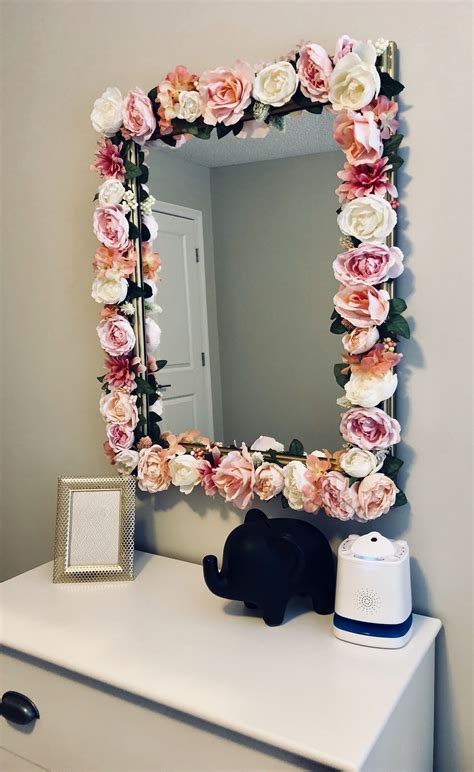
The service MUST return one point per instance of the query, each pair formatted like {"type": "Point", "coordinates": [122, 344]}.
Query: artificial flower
{"type": "Point", "coordinates": [110, 192]}
{"type": "Point", "coordinates": [153, 334]}
{"type": "Point", "coordinates": [344, 46]}
{"type": "Point", "coordinates": [178, 81]}
{"type": "Point", "coordinates": [235, 477]}
{"type": "Point", "coordinates": [275, 84]}
{"type": "Point", "coordinates": [369, 219]}
{"type": "Point", "coordinates": [120, 437]}
{"type": "Point", "coordinates": [378, 361]}
{"type": "Point", "coordinates": [357, 462]}
{"type": "Point", "coordinates": [369, 428]}
{"type": "Point", "coordinates": [368, 264]}
{"type": "Point", "coordinates": [316, 468]}
{"type": "Point", "coordinates": [354, 82]}
{"type": "Point", "coordinates": [185, 472]}
{"type": "Point", "coordinates": [151, 261]}
{"type": "Point", "coordinates": [119, 407]}
{"type": "Point", "coordinates": [111, 227]}
{"type": "Point", "coordinates": [359, 136]}
{"type": "Point", "coordinates": [385, 110]}
{"type": "Point", "coordinates": [106, 259]}
{"type": "Point", "coordinates": [153, 474]}
{"type": "Point", "coordinates": [269, 481]}
{"type": "Point", "coordinates": [106, 115]}
{"type": "Point", "coordinates": [116, 335]}
{"type": "Point", "coordinates": [110, 288]}
{"type": "Point", "coordinates": [362, 305]}
{"type": "Point", "coordinates": [225, 93]}
{"type": "Point", "coordinates": [190, 106]}
{"type": "Point", "coordinates": [375, 495]}
{"type": "Point", "coordinates": [314, 70]}
{"type": "Point", "coordinates": [119, 373]}
{"type": "Point", "coordinates": [207, 469]}
{"type": "Point", "coordinates": [337, 497]}
{"type": "Point", "coordinates": [264, 443]}
{"type": "Point", "coordinates": [108, 160]}
{"type": "Point", "coordinates": [368, 390]}
{"type": "Point", "coordinates": [139, 123]}
{"type": "Point", "coordinates": [360, 339]}
{"type": "Point", "coordinates": [126, 461]}
{"type": "Point", "coordinates": [358, 181]}
{"type": "Point", "coordinates": [295, 480]}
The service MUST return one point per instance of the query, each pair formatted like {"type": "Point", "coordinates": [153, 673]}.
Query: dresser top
{"type": "Point", "coordinates": [166, 638]}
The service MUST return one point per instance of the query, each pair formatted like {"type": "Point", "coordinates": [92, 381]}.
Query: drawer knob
{"type": "Point", "coordinates": [18, 709]}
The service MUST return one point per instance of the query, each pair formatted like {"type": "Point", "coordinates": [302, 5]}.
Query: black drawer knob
{"type": "Point", "coordinates": [18, 709]}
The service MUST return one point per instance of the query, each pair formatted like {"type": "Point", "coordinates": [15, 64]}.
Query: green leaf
{"type": "Point", "coordinates": [337, 327]}
{"type": "Point", "coordinates": [296, 448]}
{"type": "Point", "coordinates": [398, 325]}
{"type": "Point", "coordinates": [391, 466]}
{"type": "Point", "coordinates": [284, 501]}
{"type": "Point", "coordinates": [155, 433]}
{"type": "Point", "coordinates": [341, 378]}
{"type": "Point", "coordinates": [396, 161]}
{"type": "Point", "coordinates": [334, 315]}
{"type": "Point", "coordinates": [397, 306]}
{"type": "Point", "coordinates": [315, 108]}
{"type": "Point", "coordinates": [142, 386]}
{"type": "Point", "coordinates": [146, 235]}
{"type": "Point", "coordinates": [392, 143]}
{"type": "Point", "coordinates": [133, 231]}
{"type": "Point", "coordinates": [145, 173]}
{"type": "Point", "coordinates": [100, 378]}
{"type": "Point", "coordinates": [237, 128]}
{"type": "Point", "coordinates": [400, 499]}
{"type": "Point", "coordinates": [353, 480]}
{"type": "Point", "coordinates": [142, 420]}
{"type": "Point", "coordinates": [222, 130]}
{"type": "Point", "coordinates": [96, 197]}
{"type": "Point", "coordinates": [389, 87]}
{"type": "Point", "coordinates": [131, 170]}
{"type": "Point", "coordinates": [160, 363]}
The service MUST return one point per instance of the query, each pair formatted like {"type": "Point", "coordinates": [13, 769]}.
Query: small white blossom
{"type": "Point", "coordinates": [257, 459]}
{"type": "Point", "coordinates": [147, 205]}
{"type": "Point", "coordinates": [128, 309]}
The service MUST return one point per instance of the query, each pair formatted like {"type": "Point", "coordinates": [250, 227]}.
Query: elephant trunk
{"type": "Point", "coordinates": [214, 579]}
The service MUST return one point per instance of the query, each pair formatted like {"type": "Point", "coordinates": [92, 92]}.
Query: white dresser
{"type": "Point", "coordinates": [159, 674]}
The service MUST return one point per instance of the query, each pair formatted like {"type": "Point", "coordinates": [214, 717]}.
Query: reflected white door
{"type": "Point", "coordinates": [183, 321]}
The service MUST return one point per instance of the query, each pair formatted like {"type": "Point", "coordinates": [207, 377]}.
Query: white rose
{"type": "Point", "coordinates": [184, 472]}
{"type": "Point", "coordinates": [354, 82]}
{"type": "Point", "coordinates": [190, 106]}
{"type": "Point", "coordinates": [152, 226]}
{"type": "Point", "coordinates": [110, 192]}
{"type": "Point", "coordinates": [275, 84]}
{"type": "Point", "coordinates": [360, 463]}
{"type": "Point", "coordinates": [294, 474]}
{"type": "Point", "coordinates": [126, 461]}
{"type": "Point", "coordinates": [153, 334]}
{"type": "Point", "coordinates": [368, 390]}
{"type": "Point", "coordinates": [110, 289]}
{"type": "Point", "coordinates": [106, 115]}
{"type": "Point", "coordinates": [267, 443]}
{"type": "Point", "coordinates": [369, 219]}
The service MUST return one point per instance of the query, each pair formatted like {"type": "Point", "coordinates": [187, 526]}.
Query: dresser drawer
{"type": "Point", "coordinates": [85, 725]}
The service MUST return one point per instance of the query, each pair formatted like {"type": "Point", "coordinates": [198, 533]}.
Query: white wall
{"type": "Point", "coordinates": [57, 58]}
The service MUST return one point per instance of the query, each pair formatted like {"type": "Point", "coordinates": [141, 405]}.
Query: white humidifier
{"type": "Point", "coordinates": [373, 592]}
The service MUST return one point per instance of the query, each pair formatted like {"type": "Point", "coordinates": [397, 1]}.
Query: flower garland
{"type": "Point", "coordinates": [359, 481]}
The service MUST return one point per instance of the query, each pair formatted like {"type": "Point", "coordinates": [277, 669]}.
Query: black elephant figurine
{"type": "Point", "coordinates": [267, 561]}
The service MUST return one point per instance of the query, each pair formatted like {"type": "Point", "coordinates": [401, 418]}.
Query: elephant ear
{"type": "Point", "coordinates": [255, 516]}
{"type": "Point", "coordinates": [292, 554]}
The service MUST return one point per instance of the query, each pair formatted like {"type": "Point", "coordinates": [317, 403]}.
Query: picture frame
{"type": "Point", "coordinates": [95, 526]}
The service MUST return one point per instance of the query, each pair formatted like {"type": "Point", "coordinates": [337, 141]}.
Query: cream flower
{"type": "Point", "coordinates": [126, 461]}
{"type": "Point", "coordinates": [269, 481]}
{"type": "Point", "coordinates": [267, 443]}
{"type": "Point", "coordinates": [275, 84]}
{"type": "Point", "coordinates": [185, 472]}
{"type": "Point", "coordinates": [354, 82]}
{"type": "Point", "coordinates": [110, 192]}
{"type": "Point", "coordinates": [190, 106]}
{"type": "Point", "coordinates": [359, 463]}
{"type": "Point", "coordinates": [295, 480]}
{"type": "Point", "coordinates": [110, 289]}
{"type": "Point", "coordinates": [368, 390]}
{"type": "Point", "coordinates": [106, 115]}
{"type": "Point", "coordinates": [153, 334]}
{"type": "Point", "coordinates": [369, 219]}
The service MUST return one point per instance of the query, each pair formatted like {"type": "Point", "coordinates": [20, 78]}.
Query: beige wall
{"type": "Point", "coordinates": [57, 58]}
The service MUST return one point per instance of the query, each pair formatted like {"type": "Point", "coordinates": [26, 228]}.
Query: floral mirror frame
{"type": "Point", "coordinates": [358, 84]}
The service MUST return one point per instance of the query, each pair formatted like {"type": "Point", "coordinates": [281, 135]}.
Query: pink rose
{"type": "Point", "coordinates": [120, 437]}
{"type": "Point", "coordinates": [116, 335]}
{"type": "Point", "coordinates": [362, 305]}
{"type": "Point", "coordinates": [111, 226]}
{"type": "Point", "coordinates": [153, 474]}
{"type": "Point", "coordinates": [369, 428]}
{"type": "Point", "coordinates": [360, 340]}
{"type": "Point", "coordinates": [338, 498]}
{"type": "Point", "coordinates": [119, 407]}
{"type": "Point", "coordinates": [359, 136]}
{"type": "Point", "coordinates": [368, 264]}
{"type": "Point", "coordinates": [343, 46]}
{"type": "Point", "coordinates": [314, 68]}
{"type": "Point", "coordinates": [376, 493]}
{"type": "Point", "coordinates": [359, 181]}
{"type": "Point", "coordinates": [138, 119]}
{"type": "Point", "coordinates": [269, 481]}
{"type": "Point", "coordinates": [226, 93]}
{"type": "Point", "coordinates": [235, 478]}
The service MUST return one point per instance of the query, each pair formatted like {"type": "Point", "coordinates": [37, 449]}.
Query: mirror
{"type": "Point", "coordinates": [247, 236]}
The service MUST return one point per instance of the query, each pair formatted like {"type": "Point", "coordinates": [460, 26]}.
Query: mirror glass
{"type": "Point", "coordinates": [247, 236]}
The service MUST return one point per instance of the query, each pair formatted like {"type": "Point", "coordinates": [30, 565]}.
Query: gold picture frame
{"type": "Point", "coordinates": [95, 527]}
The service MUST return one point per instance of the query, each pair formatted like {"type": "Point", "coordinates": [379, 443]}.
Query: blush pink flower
{"type": "Point", "coordinates": [375, 494]}
{"type": "Point", "coordinates": [369, 428]}
{"type": "Point", "coordinates": [151, 261]}
{"type": "Point", "coordinates": [368, 264]}
{"type": "Point", "coordinates": [139, 122]}
{"type": "Point", "coordinates": [106, 259]}
{"type": "Point", "coordinates": [108, 161]}
{"type": "Point", "coordinates": [376, 362]}
{"type": "Point", "coordinates": [344, 46]}
{"type": "Point", "coordinates": [384, 110]}
{"type": "Point", "coordinates": [119, 373]}
{"type": "Point", "coordinates": [176, 81]}
{"type": "Point", "coordinates": [360, 339]}
{"type": "Point", "coordinates": [116, 335]}
{"type": "Point", "coordinates": [235, 478]}
{"type": "Point", "coordinates": [207, 470]}
{"type": "Point", "coordinates": [314, 68]}
{"type": "Point", "coordinates": [119, 407]}
{"type": "Point", "coordinates": [363, 179]}
{"type": "Point", "coordinates": [109, 452]}
{"type": "Point", "coordinates": [269, 481]}
{"type": "Point", "coordinates": [311, 491]}
{"type": "Point", "coordinates": [153, 474]}
{"type": "Point", "coordinates": [359, 136]}
{"type": "Point", "coordinates": [362, 305]}
{"type": "Point", "coordinates": [111, 227]}
{"type": "Point", "coordinates": [337, 497]}
{"type": "Point", "coordinates": [225, 93]}
{"type": "Point", "coordinates": [120, 437]}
